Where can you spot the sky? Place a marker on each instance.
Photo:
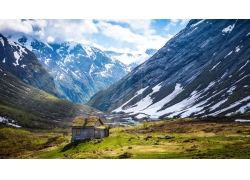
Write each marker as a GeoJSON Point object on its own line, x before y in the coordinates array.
{"type": "Point", "coordinates": [122, 26]}
{"type": "Point", "coordinates": [132, 36]}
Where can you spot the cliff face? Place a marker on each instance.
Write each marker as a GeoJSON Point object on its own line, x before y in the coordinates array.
{"type": "Point", "coordinates": [203, 70]}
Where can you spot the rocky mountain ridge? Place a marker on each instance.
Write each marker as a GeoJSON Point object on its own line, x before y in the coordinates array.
{"type": "Point", "coordinates": [79, 70]}
{"type": "Point", "coordinates": [202, 70]}
{"type": "Point", "coordinates": [22, 63]}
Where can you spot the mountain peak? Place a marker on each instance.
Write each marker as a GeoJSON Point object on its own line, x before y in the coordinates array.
{"type": "Point", "coordinates": [79, 70]}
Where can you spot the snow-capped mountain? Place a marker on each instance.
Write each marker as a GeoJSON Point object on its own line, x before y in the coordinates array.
{"type": "Point", "coordinates": [79, 70]}
{"type": "Point", "coordinates": [132, 59]}
{"type": "Point", "coordinates": [202, 70]}
{"type": "Point", "coordinates": [22, 63]}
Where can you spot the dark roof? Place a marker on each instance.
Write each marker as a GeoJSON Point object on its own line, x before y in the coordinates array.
{"type": "Point", "coordinates": [83, 121]}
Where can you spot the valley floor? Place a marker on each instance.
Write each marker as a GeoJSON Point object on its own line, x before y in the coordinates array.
{"type": "Point", "coordinates": [207, 138]}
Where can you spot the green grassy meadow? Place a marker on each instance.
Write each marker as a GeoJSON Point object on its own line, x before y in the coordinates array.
{"type": "Point", "coordinates": [171, 139]}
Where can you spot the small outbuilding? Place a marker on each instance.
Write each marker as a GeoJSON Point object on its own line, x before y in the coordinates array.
{"type": "Point", "coordinates": [88, 128]}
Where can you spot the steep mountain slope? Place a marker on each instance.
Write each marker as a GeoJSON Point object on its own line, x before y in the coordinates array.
{"type": "Point", "coordinates": [22, 105]}
{"type": "Point", "coordinates": [79, 70]}
{"type": "Point", "coordinates": [22, 63]}
{"type": "Point", "coordinates": [202, 70]}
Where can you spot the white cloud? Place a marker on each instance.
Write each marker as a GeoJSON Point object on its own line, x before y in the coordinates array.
{"type": "Point", "coordinates": [153, 42]}
{"type": "Point", "coordinates": [133, 23]}
{"type": "Point", "coordinates": [171, 24]}
{"type": "Point", "coordinates": [138, 58]}
{"type": "Point", "coordinates": [174, 22]}
{"type": "Point", "coordinates": [119, 33]}
{"type": "Point", "coordinates": [60, 30]}
{"type": "Point", "coordinates": [135, 33]}
{"type": "Point", "coordinates": [120, 50]}
{"type": "Point", "coordinates": [37, 22]}
{"type": "Point", "coordinates": [15, 25]}
{"type": "Point", "coordinates": [70, 30]}
{"type": "Point", "coordinates": [50, 39]}
{"type": "Point", "coordinates": [142, 42]}
{"type": "Point", "coordinates": [184, 21]}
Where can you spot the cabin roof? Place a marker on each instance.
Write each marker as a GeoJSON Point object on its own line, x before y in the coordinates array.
{"type": "Point", "coordinates": [102, 127]}
{"type": "Point", "coordinates": [83, 121]}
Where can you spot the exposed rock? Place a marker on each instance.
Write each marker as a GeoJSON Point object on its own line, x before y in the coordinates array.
{"type": "Point", "coordinates": [23, 64]}
{"type": "Point", "coordinates": [203, 70]}
{"type": "Point", "coordinates": [79, 70]}
{"type": "Point", "coordinates": [169, 137]}
{"type": "Point", "coordinates": [125, 155]}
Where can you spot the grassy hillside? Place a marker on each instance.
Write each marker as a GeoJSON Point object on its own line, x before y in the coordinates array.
{"type": "Point", "coordinates": [207, 138]}
{"type": "Point", "coordinates": [33, 108]}
{"type": "Point", "coordinates": [16, 142]}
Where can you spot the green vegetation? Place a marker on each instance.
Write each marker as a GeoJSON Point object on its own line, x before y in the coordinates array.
{"type": "Point", "coordinates": [33, 108]}
{"type": "Point", "coordinates": [206, 138]}
{"type": "Point", "coordinates": [17, 142]}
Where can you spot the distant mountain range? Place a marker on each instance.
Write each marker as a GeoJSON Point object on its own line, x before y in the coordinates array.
{"type": "Point", "coordinates": [202, 70]}
{"type": "Point", "coordinates": [28, 94]}
{"type": "Point", "coordinates": [79, 70]}
{"type": "Point", "coordinates": [136, 59]}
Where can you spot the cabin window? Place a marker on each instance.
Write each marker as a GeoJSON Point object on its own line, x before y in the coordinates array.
{"type": "Point", "coordinates": [78, 131]}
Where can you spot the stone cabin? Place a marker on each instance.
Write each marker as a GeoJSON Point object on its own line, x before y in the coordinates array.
{"type": "Point", "coordinates": [88, 128]}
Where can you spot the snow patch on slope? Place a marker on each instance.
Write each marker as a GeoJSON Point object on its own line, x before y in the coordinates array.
{"type": "Point", "coordinates": [141, 116]}
{"type": "Point", "coordinates": [152, 109]}
{"type": "Point", "coordinates": [237, 49]}
{"type": "Point", "coordinates": [71, 46]}
{"type": "Point", "coordinates": [192, 30]}
{"type": "Point", "coordinates": [146, 107]}
{"type": "Point", "coordinates": [228, 29]}
{"type": "Point", "coordinates": [193, 25]}
{"type": "Point", "coordinates": [88, 50]}
{"type": "Point", "coordinates": [17, 56]}
{"type": "Point", "coordinates": [230, 91]}
{"type": "Point", "coordinates": [2, 41]}
{"type": "Point", "coordinates": [243, 66]}
{"type": "Point", "coordinates": [228, 54]}
{"type": "Point", "coordinates": [232, 105]}
{"type": "Point", "coordinates": [215, 66]}
{"type": "Point", "coordinates": [218, 104]}
{"type": "Point", "coordinates": [224, 74]}
{"type": "Point", "coordinates": [140, 91]}
{"type": "Point", "coordinates": [242, 109]}
{"type": "Point", "coordinates": [9, 122]}
{"type": "Point", "coordinates": [210, 85]}
{"type": "Point", "coordinates": [142, 104]}
{"type": "Point", "coordinates": [108, 66]}
{"type": "Point", "coordinates": [180, 107]}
